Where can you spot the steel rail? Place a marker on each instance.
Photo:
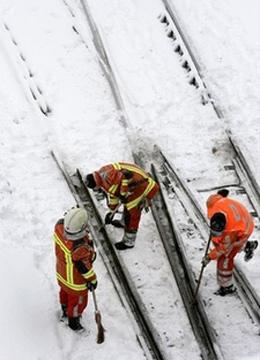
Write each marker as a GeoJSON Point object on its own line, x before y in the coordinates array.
{"type": "Point", "coordinates": [189, 61]}
{"type": "Point", "coordinates": [245, 174]}
{"type": "Point", "coordinates": [147, 335]}
{"type": "Point", "coordinates": [106, 66]}
{"type": "Point", "coordinates": [196, 211]}
{"type": "Point", "coordinates": [247, 294]}
{"type": "Point", "coordinates": [240, 160]}
{"type": "Point", "coordinates": [184, 277]}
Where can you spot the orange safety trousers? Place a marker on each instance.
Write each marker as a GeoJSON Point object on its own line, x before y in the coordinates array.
{"type": "Point", "coordinates": [75, 304]}
{"type": "Point", "coordinates": [225, 266]}
{"type": "Point", "coordinates": [132, 217]}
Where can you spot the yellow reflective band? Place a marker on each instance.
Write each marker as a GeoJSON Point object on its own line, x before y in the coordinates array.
{"type": "Point", "coordinates": [132, 168]}
{"type": "Point", "coordinates": [113, 189]}
{"type": "Point", "coordinates": [117, 166]}
{"type": "Point", "coordinates": [125, 182]}
{"type": "Point", "coordinates": [130, 205]}
{"type": "Point", "coordinates": [60, 243]}
{"type": "Point", "coordinates": [113, 200]}
{"type": "Point", "coordinates": [136, 170]}
{"type": "Point", "coordinates": [69, 269]}
{"type": "Point", "coordinates": [67, 254]}
{"type": "Point", "coordinates": [88, 274]}
{"type": "Point", "coordinates": [76, 287]}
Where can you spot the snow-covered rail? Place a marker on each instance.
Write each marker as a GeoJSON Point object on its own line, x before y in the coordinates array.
{"type": "Point", "coordinates": [188, 59]}
{"type": "Point", "coordinates": [245, 175]}
{"type": "Point", "coordinates": [204, 334]}
{"type": "Point", "coordinates": [173, 182]}
{"type": "Point", "coordinates": [246, 181]}
{"type": "Point", "coordinates": [146, 333]}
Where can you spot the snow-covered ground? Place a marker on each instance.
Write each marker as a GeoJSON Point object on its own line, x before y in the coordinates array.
{"type": "Point", "coordinates": [225, 37]}
{"type": "Point", "coordinates": [38, 39]}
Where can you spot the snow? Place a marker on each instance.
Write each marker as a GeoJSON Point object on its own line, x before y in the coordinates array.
{"type": "Point", "coordinates": [84, 125]}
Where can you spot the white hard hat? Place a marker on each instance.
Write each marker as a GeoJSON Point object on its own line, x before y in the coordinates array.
{"type": "Point", "coordinates": [75, 223]}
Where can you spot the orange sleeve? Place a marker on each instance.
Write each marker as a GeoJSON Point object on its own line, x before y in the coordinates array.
{"type": "Point", "coordinates": [84, 254]}
{"type": "Point", "coordinates": [217, 252]}
{"type": "Point", "coordinates": [226, 243]}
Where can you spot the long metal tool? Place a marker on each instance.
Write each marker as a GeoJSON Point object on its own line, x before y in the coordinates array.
{"type": "Point", "coordinates": [101, 330]}
{"type": "Point", "coordinates": [201, 270]}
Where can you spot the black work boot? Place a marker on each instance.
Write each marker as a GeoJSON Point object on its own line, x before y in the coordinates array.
{"type": "Point", "coordinates": [118, 223]}
{"type": "Point", "coordinates": [122, 246]}
{"type": "Point", "coordinates": [223, 291]}
{"type": "Point", "coordinates": [74, 324]}
{"type": "Point", "coordinates": [128, 241]}
{"type": "Point", "coordinates": [64, 312]}
{"type": "Point", "coordinates": [249, 249]}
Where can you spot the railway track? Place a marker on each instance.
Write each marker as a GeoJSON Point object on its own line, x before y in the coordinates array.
{"type": "Point", "coordinates": [188, 59]}
{"type": "Point", "coordinates": [246, 182]}
{"type": "Point", "coordinates": [147, 335]}
{"type": "Point", "coordinates": [171, 239]}
{"type": "Point", "coordinates": [204, 332]}
{"type": "Point", "coordinates": [149, 338]}
{"type": "Point", "coordinates": [173, 182]}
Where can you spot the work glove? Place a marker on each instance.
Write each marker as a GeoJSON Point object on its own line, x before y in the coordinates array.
{"type": "Point", "coordinates": [205, 260]}
{"type": "Point", "coordinates": [109, 217]}
{"type": "Point", "coordinates": [92, 285]}
{"type": "Point", "coordinates": [123, 199]}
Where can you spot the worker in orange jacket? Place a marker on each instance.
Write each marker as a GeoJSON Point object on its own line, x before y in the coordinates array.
{"type": "Point", "coordinates": [127, 184]}
{"type": "Point", "coordinates": [74, 271]}
{"type": "Point", "coordinates": [231, 225]}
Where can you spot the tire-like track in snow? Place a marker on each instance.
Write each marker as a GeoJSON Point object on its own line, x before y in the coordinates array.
{"type": "Point", "coordinates": [29, 80]}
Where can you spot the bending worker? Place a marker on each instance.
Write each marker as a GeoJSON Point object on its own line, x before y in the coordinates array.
{"type": "Point", "coordinates": [231, 226]}
{"type": "Point", "coordinates": [127, 184]}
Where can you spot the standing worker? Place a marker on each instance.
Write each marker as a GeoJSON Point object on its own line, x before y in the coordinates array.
{"type": "Point", "coordinates": [74, 257]}
{"type": "Point", "coordinates": [231, 225]}
{"type": "Point", "coordinates": [127, 184]}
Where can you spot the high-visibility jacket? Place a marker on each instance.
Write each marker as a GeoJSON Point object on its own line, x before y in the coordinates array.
{"type": "Point", "coordinates": [239, 225]}
{"type": "Point", "coordinates": [73, 262]}
{"type": "Point", "coordinates": [125, 182]}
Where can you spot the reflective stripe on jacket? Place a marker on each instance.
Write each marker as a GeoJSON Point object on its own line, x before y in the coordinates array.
{"type": "Point", "coordinates": [68, 255]}
{"type": "Point", "coordinates": [124, 181]}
